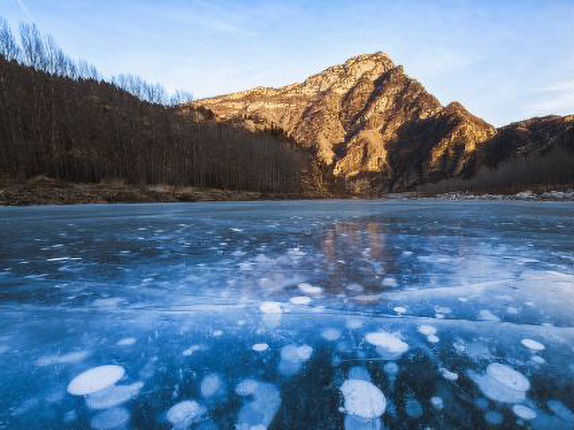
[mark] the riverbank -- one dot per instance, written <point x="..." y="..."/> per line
<point x="46" y="191"/>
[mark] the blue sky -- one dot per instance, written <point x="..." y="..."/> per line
<point x="504" y="60"/>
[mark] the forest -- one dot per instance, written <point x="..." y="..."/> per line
<point x="62" y="119"/>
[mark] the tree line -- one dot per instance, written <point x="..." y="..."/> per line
<point x="61" y="118"/>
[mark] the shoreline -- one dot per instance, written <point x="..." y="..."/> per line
<point x="45" y="191"/>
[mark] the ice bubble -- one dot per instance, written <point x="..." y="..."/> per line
<point x="433" y="339"/>
<point x="110" y="419"/>
<point x="538" y="359"/>
<point x="289" y="353"/>
<point x="72" y="357"/>
<point x="388" y="345"/>
<point x="260" y="347"/>
<point x="561" y="410"/>
<point x="524" y="412"/>
<point x="271" y="307"/>
<point x="390" y="282"/>
<point x="407" y="253"/>
<point x="508" y="376"/>
<point x="493" y="418"/>
<point x="532" y="344"/>
<point x="113" y="396"/>
<point x="363" y="399"/>
<point x="413" y="408"/>
<point x="355" y="287"/>
<point x="497" y="391"/>
<point x="304" y="352"/>
<point x="446" y="374"/>
<point x="391" y="368"/>
<point x="185" y="413"/>
<point x="359" y="372"/>
<point x="211" y="385"/>
<point x="300" y="300"/>
<point x="95" y="379"/>
<point x="107" y="303"/>
<point x="309" y="289"/>
<point x="331" y="334"/>
<point x="127" y="341"/>
<point x="258" y="414"/>
<point x="427" y="330"/>
<point x="193" y="349"/>
<point x="437" y="403"/>
<point x="246" y="387"/>
<point x="353" y="323"/>
<point x="400" y="310"/>
<point x="218" y="333"/>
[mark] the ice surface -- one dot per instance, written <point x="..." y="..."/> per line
<point x="254" y="315"/>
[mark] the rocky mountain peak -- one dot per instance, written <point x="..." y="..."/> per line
<point x="373" y="125"/>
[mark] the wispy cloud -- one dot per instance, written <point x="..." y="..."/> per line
<point x="25" y="10"/>
<point x="558" y="97"/>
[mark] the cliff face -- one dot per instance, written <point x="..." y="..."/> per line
<point x="372" y="126"/>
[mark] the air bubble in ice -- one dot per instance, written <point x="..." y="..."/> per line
<point x="95" y="379"/>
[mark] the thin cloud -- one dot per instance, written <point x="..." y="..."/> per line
<point x="25" y="10"/>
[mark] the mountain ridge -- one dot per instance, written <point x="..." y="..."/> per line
<point x="369" y="123"/>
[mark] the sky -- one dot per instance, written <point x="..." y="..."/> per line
<point x="505" y="60"/>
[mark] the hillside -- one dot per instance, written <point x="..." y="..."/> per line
<point x="90" y="131"/>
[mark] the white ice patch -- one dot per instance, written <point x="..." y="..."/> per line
<point x="185" y="413"/>
<point x="508" y="376"/>
<point x="113" y="396"/>
<point x="292" y="358"/>
<point x="433" y="339"/>
<point x="353" y="323"/>
<point x="271" y="308"/>
<point x="532" y="344"/>
<point x="437" y="403"/>
<point x="110" y="419"/>
<point x="71" y="357"/>
<point x="260" y="347"/>
<point x="400" y="310"/>
<point x="524" y="412"/>
<point x="427" y="330"/>
<point x="211" y="385"/>
<point x="309" y="289"/>
<point x="300" y="300"/>
<point x="502" y="383"/>
<point x="363" y="399"/>
<point x="389" y="345"/>
<point x="127" y="341"/>
<point x="95" y="379"/>
<point x="448" y="375"/>
<point x="331" y="334"/>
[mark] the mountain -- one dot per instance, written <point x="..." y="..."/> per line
<point x="378" y="130"/>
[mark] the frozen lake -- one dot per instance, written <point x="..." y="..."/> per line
<point x="354" y="315"/>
